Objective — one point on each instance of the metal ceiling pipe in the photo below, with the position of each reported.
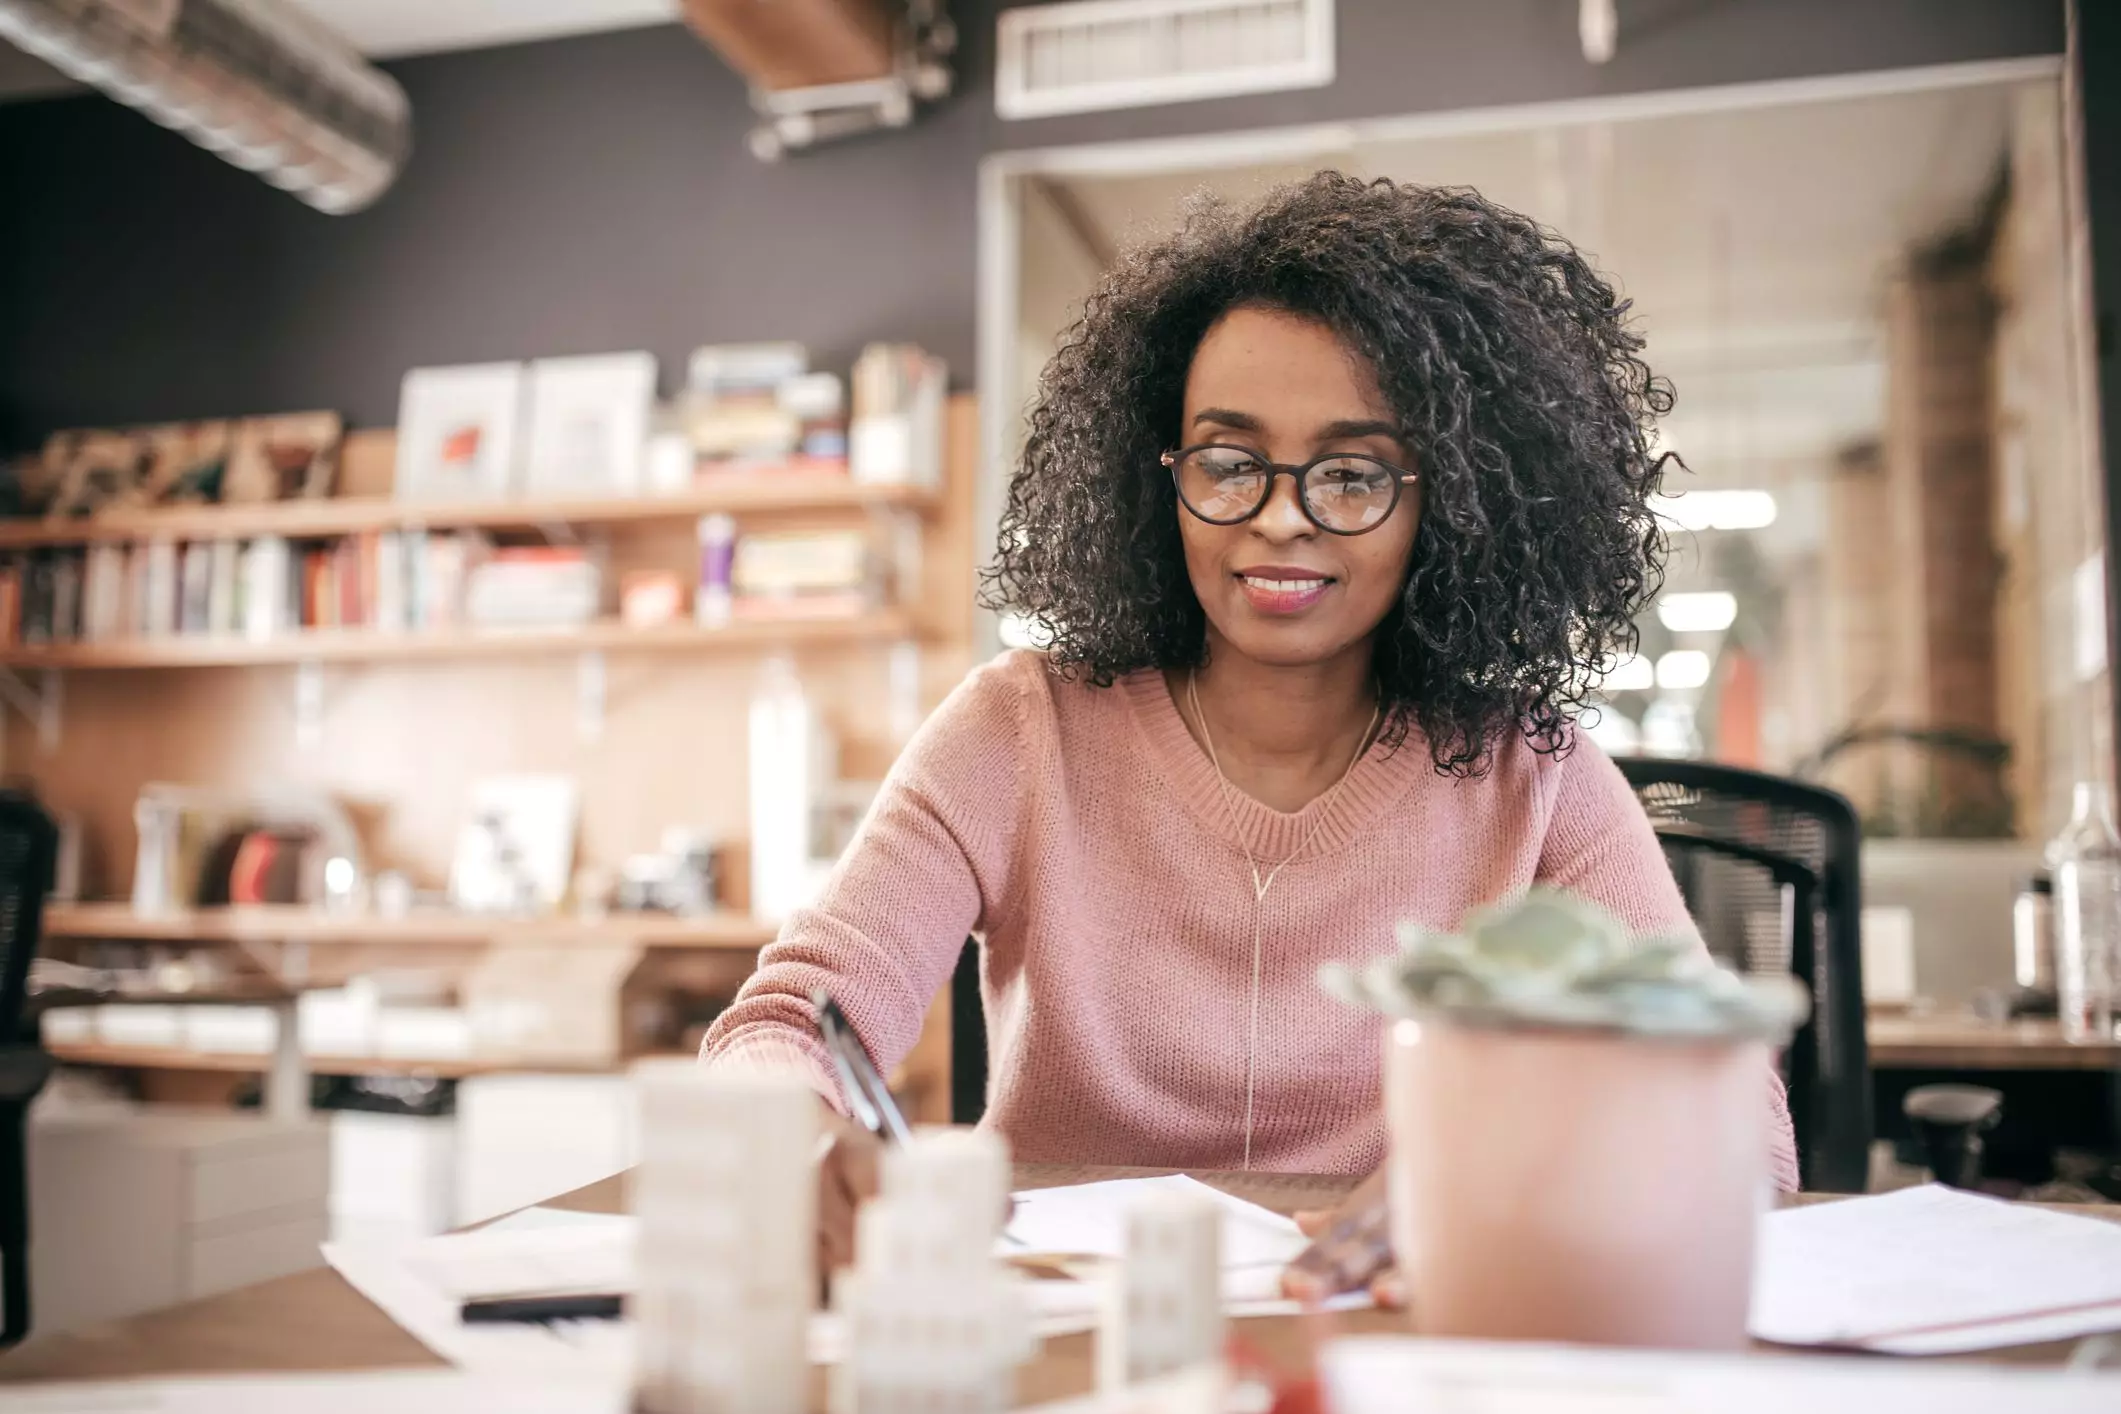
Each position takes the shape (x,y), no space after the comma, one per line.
(257,82)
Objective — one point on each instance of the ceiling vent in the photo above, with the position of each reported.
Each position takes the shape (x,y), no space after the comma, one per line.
(257,82)
(1095,54)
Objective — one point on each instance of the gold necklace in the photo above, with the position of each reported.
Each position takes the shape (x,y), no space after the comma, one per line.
(1261,885)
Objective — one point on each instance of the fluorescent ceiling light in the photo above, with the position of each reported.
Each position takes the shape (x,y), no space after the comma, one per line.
(1682,669)
(1630,674)
(1709,612)
(1716,510)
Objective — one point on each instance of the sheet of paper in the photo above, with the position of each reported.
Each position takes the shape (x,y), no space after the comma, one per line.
(1934,1269)
(400,1392)
(1089,1220)
(1392,1374)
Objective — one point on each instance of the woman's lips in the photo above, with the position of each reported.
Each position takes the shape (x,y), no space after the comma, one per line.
(1282,591)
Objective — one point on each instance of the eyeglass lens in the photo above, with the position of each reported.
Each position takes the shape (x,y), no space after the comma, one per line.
(1227,484)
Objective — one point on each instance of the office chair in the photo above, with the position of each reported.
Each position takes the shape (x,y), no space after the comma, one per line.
(29,846)
(1769,870)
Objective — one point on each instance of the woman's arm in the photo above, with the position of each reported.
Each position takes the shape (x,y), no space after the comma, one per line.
(1600,846)
(930,864)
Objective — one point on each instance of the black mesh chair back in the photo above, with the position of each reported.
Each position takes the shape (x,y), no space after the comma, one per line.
(29,844)
(1769,870)
(968,1039)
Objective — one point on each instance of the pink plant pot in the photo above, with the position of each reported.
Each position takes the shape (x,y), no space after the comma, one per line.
(1576,1186)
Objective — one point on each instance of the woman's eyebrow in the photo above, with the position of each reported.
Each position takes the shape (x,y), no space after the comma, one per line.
(1358,428)
(1225,417)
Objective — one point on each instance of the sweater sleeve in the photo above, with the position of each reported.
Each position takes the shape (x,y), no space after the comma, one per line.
(930,865)
(1600,846)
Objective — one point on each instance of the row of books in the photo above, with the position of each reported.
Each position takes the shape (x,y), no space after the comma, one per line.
(257,589)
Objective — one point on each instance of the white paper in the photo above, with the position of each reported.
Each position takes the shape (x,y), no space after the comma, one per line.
(1394,1374)
(422,1284)
(1933,1269)
(400,1392)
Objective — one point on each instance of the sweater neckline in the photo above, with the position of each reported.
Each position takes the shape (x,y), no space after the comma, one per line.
(1376,780)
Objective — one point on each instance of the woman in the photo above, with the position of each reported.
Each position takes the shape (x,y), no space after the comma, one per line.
(1329,513)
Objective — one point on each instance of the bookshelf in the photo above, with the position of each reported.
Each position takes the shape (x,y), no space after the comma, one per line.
(276,924)
(413,719)
(375,646)
(760,492)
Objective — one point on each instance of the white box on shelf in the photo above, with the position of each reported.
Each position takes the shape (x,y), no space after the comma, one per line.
(423,1033)
(337,1021)
(144,1025)
(73,1025)
(229,1030)
(142,1208)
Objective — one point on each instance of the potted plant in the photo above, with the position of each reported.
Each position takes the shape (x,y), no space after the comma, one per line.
(1578,1124)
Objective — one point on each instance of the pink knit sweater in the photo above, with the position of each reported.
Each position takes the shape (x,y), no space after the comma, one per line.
(1082,833)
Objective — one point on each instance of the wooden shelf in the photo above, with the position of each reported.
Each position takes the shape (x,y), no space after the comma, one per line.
(373,646)
(735,493)
(247,1062)
(280,924)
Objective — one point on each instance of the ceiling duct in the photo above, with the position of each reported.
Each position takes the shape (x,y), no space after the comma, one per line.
(258,82)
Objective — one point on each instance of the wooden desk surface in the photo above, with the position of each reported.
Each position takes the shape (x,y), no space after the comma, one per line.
(1959,1041)
(315,1321)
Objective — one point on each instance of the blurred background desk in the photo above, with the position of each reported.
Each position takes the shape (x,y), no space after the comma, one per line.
(2059,1097)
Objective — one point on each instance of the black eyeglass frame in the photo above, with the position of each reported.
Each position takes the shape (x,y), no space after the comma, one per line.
(1401,478)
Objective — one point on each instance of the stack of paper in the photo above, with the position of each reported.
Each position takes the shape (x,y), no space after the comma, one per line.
(1929,1271)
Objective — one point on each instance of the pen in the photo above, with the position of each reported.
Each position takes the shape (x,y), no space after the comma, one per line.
(581,1306)
(867,1095)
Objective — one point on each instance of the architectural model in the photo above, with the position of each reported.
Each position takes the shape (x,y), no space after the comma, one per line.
(935,1325)
(727,1204)
(1163,1310)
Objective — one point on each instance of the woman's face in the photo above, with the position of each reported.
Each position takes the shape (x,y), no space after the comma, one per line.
(1276,588)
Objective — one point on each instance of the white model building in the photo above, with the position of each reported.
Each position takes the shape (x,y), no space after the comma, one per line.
(1163,1309)
(727,1258)
(935,1324)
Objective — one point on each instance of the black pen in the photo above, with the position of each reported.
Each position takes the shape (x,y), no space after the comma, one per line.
(532,1310)
(868,1097)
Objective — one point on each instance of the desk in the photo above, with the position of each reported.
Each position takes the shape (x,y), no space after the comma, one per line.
(314,1321)
(1958,1041)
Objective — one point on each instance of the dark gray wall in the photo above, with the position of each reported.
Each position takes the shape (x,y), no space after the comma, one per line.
(595,193)
(564,197)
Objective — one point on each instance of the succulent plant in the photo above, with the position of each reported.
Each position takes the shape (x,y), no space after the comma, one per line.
(1554,961)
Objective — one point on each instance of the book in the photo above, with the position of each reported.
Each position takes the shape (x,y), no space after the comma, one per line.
(11,603)
(159,619)
(389,608)
(349,564)
(67,574)
(103,594)
(268,572)
(37,599)
(195,589)
(223,608)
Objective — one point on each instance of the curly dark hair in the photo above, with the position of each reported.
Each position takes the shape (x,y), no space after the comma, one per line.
(1525,404)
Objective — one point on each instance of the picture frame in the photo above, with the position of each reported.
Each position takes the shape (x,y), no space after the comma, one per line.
(457,433)
(288,457)
(587,425)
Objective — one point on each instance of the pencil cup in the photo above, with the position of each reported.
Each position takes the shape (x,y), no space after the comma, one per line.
(1592,1188)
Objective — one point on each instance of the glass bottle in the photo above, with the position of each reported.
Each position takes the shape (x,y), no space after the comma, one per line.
(2086,862)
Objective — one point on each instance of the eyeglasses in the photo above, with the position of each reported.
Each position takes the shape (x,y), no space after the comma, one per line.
(1342,493)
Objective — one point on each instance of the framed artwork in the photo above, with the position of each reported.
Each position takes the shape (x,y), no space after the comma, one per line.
(515,853)
(588,424)
(457,432)
(92,471)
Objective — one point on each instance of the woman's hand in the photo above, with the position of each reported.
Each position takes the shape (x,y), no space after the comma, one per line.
(1350,1249)
(847,1177)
